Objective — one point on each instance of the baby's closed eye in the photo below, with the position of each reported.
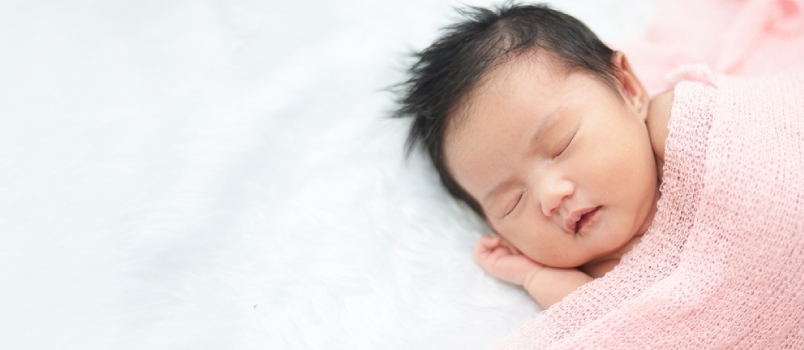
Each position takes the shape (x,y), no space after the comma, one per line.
(514,203)
(565,143)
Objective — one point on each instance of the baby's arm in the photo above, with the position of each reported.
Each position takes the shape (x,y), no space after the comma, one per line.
(548,285)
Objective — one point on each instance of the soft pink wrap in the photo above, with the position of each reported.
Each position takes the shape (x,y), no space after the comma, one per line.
(723,264)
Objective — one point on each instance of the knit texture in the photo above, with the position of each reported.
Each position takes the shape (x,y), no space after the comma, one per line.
(722,266)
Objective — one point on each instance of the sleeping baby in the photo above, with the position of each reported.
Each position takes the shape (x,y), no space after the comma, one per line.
(548,135)
(668,222)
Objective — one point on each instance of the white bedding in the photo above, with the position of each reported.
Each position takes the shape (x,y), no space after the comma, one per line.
(221,175)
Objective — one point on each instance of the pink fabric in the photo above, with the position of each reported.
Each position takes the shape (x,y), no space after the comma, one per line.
(744,38)
(723,264)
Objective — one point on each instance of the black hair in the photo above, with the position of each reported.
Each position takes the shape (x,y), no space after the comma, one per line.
(446,72)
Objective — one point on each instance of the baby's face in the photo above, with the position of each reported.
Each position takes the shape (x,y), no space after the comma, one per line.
(562,166)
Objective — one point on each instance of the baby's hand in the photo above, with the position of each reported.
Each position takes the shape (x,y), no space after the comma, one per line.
(502,260)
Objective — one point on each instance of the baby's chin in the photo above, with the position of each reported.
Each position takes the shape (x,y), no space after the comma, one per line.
(613,257)
(566,264)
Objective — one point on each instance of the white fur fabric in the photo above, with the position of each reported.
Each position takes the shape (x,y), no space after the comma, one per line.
(222,175)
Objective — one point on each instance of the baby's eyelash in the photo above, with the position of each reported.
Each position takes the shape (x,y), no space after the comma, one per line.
(519,199)
(567,144)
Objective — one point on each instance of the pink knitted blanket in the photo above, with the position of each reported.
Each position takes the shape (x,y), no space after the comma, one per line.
(723,264)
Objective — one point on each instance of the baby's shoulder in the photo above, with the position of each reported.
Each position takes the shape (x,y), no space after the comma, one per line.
(657,119)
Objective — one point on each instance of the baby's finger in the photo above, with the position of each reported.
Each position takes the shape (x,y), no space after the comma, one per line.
(489,260)
(511,248)
(489,242)
(484,246)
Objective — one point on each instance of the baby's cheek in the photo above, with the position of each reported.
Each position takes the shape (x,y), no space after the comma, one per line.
(545,253)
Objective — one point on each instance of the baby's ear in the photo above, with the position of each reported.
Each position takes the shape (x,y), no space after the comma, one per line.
(631,88)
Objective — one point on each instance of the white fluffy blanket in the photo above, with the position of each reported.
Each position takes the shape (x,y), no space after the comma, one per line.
(221,175)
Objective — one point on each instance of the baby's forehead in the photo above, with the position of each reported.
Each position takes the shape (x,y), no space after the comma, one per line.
(504,79)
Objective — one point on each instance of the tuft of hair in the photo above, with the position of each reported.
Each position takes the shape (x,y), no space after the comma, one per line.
(445,73)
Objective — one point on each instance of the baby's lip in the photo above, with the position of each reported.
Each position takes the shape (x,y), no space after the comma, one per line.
(571,222)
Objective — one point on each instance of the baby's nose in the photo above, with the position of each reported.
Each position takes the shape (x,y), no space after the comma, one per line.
(552,193)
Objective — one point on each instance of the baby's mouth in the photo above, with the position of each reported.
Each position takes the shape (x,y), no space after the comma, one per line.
(573,222)
(586,219)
